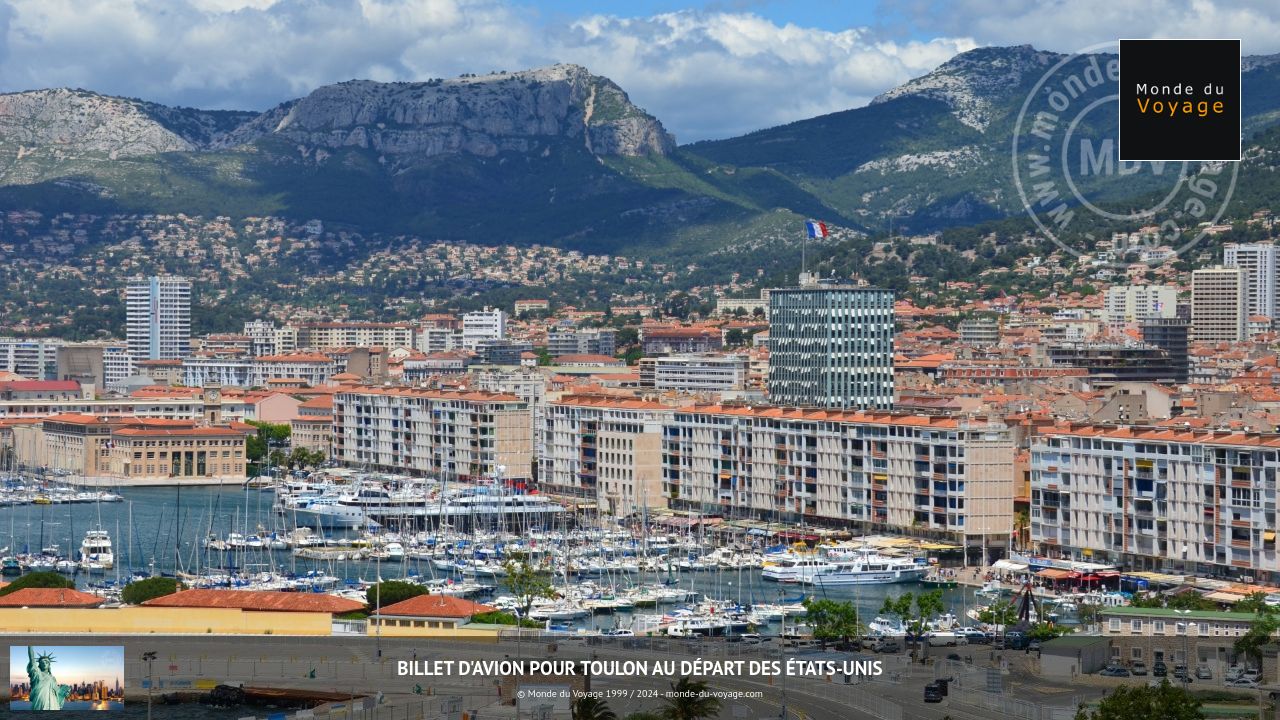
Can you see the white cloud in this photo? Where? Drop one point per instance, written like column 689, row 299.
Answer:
column 1066, row 26
column 704, row 74
column 712, row 74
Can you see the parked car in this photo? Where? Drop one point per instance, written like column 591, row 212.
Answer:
column 1180, row 672
column 1159, row 669
column 932, row 693
column 1233, row 672
column 946, row 639
column 1203, row 672
column 1113, row 671
column 1034, row 646
column 1242, row 683
column 1137, row 667
column 887, row 645
column 1252, row 675
column 974, row 636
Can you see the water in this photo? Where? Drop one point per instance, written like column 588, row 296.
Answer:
column 164, row 529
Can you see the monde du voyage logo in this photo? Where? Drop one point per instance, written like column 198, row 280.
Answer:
column 1126, row 136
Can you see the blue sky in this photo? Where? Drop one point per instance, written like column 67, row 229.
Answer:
column 708, row 69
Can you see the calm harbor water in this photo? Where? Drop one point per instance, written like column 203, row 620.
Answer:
column 163, row 529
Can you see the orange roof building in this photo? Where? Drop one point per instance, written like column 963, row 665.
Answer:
column 49, row 598
column 258, row 600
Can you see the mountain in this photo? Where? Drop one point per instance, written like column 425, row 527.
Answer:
column 556, row 156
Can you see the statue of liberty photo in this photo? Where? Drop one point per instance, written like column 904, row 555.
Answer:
column 46, row 693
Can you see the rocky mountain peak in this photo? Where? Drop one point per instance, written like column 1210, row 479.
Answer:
column 971, row 82
column 475, row 114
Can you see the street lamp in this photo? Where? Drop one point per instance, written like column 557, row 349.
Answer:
column 1186, row 658
column 149, row 658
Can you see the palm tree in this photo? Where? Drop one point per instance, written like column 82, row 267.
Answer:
column 689, row 700
column 591, row 708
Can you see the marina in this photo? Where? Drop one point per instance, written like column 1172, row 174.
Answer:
column 619, row 579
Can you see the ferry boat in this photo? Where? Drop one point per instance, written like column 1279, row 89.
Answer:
column 868, row 568
column 95, row 551
column 792, row 569
column 375, row 505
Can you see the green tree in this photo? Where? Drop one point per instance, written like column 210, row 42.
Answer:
column 526, row 581
column 689, row 701
column 1127, row 702
column 38, row 580
column 591, row 708
column 1191, row 601
column 927, row 605
column 735, row 337
column 390, row 592
column 268, row 433
column 831, row 620
column 1260, row 633
column 140, row 591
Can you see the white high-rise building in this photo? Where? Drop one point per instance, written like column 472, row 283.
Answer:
column 1218, row 306
column 1125, row 304
column 1259, row 261
column 486, row 324
column 159, row 318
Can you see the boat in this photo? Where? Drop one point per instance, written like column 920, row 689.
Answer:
column 791, row 569
column 934, row 580
column 95, row 551
column 10, row 566
column 867, row 568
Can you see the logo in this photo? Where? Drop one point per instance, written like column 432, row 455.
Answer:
column 1070, row 179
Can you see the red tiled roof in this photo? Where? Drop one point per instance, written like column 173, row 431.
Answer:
column 49, row 597
column 257, row 600
column 436, row 606
column 40, row 386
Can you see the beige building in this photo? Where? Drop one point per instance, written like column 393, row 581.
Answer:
column 137, row 451
column 605, row 451
column 878, row 470
column 458, row 435
column 312, row 427
column 1219, row 304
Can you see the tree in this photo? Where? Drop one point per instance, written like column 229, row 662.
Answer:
column 1167, row 702
column 268, row 433
column 1264, row 626
column 831, row 620
column 526, row 581
column 390, row 592
column 689, row 700
column 1255, row 603
column 735, row 337
column 38, row 580
column 927, row 604
column 140, row 591
column 591, row 708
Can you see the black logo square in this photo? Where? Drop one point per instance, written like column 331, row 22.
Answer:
column 1179, row 100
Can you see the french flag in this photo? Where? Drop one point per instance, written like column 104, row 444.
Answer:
column 816, row 229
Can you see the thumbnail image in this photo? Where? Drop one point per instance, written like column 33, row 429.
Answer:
column 66, row 677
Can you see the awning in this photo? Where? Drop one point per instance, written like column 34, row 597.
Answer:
column 1224, row 597
column 1008, row 565
column 1268, row 535
column 1054, row 574
column 757, row 531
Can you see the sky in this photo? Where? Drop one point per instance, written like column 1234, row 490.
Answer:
column 72, row 664
column 707, row 69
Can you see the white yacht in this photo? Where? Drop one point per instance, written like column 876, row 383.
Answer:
column 868, row 568
column 95, row 551
column 791, row 569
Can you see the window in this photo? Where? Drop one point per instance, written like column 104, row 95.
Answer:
column 1135, row 625
column 1114, row 625
column 1159, row 627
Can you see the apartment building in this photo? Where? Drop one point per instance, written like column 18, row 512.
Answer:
column 159, row 318
column 1174, row 499
column 707, row 372
column 879, row 471
column 312, row 369
column 675, row 340
column 474, row 436
column 33, row 359
column 354, row 334
column 1126, row 304
column 980, row 331
column 1219, row 304
column 486, row 324
column 605, row 451
column 312, row 427
column 1259, row 262
column 591, row 341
